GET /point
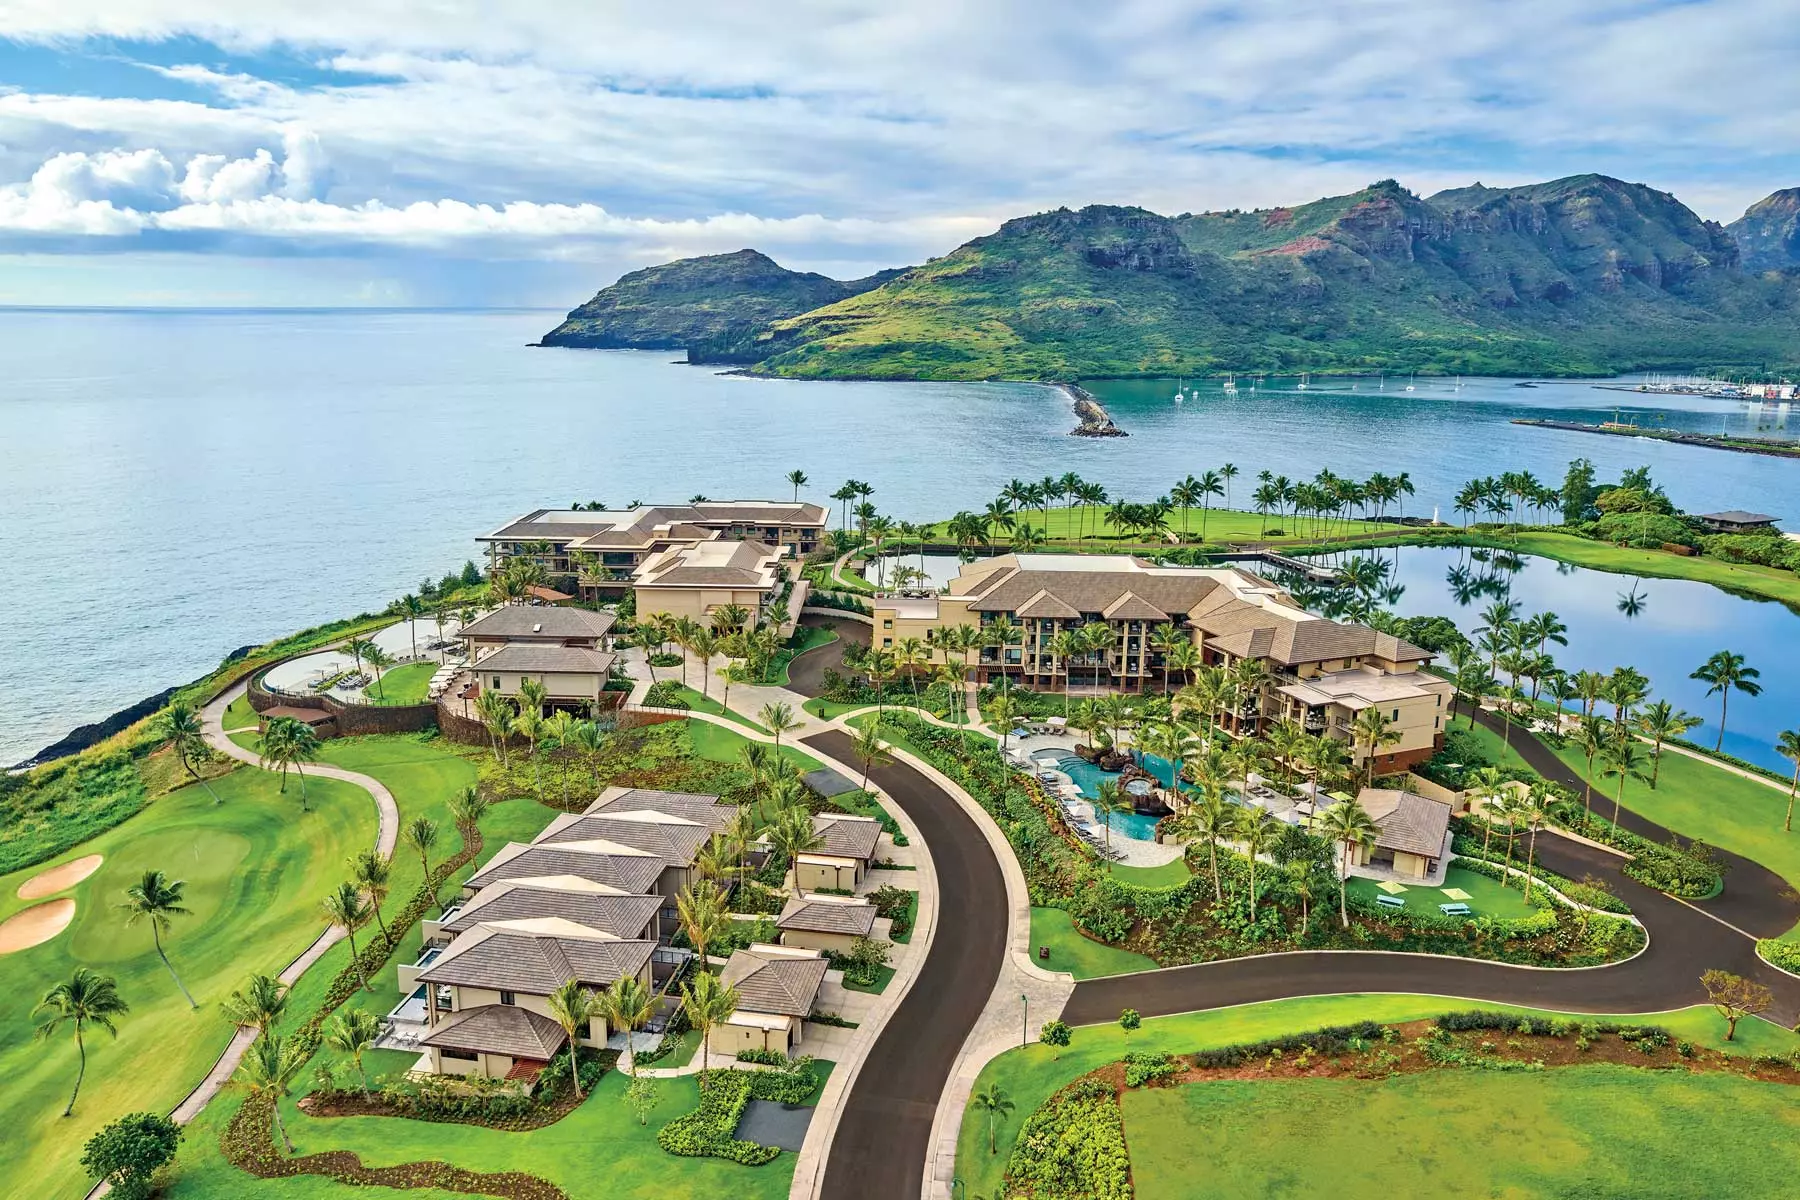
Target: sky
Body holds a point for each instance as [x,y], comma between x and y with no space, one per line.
[511,152]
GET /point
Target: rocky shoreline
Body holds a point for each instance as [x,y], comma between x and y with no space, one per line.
[1094,420]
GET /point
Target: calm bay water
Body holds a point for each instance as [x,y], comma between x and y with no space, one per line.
[177,484]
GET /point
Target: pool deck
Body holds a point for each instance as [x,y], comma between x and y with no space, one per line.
[1136,852]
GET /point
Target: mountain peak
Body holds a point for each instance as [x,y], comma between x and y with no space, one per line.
[1769,232]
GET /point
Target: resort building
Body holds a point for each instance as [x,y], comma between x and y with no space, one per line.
[676,840]
[602,549]
[830,923]
[845,851]
[592,905]
[535,625]
[572,677]
[692,806]
[777,987]
[486,994]
[694,581]
[1229,614]
[1412,833]
[629,871]
[1738,521]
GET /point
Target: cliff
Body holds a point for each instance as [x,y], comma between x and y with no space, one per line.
[1769,232]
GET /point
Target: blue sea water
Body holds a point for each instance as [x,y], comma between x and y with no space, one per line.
[174,484]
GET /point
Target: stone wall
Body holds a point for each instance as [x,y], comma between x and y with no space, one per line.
[351,720]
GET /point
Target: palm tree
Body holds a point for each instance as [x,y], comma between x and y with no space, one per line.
[994,1101]
[707,1002]
[353,1031]
[1111,798]
[1721,673]
[1211,484]
[1660,722]
[373,872]
[467,808]
[346,907]
[497,716]
[422,835]
[1228,472]
[157,899]
[792,833]
[1256,830]
[1003,710]
[267,1072]
[84,998]
[1533,809]
[1473,683]
[574,1008]
[379,661]
[530,726]
[1300,883]
[1592,736]
[798,478]
[357,648]
[288,742]
[1062,647]
[870,750]
[1213,820]
[1624,760]
[1372,730]
[180,727]
[701,910]
[1787,744]
[259,1002]
[1349,825]
[778,718]
[628,1006]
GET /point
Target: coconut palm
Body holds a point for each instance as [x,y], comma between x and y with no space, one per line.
[628,1006]
[1787,744]
[260,1002]
[778,718]
[701,909]
[1110,799]
[1473,684]
[798,478]
[1300,882]
[574,1007]
[346,907]
[179,725]
[84,998]
[994,1101]
[467,808]
[379,661]
[1256,831]
[497,717]
[530,726]
[1721,673]
[1213,819]
[373,872]
[157,899]
[707,1002]
[1623,760]
[1532,810]
[288,742]
[267,1072]
[421,834]
[870,750]
[353,1031]
[357,648]
[1063,647]
[1003,711]
[587,740]
[1349,825]
[1660,722]
[1592,736]
[1372,730]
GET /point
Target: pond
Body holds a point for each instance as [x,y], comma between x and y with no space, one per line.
[1663,627]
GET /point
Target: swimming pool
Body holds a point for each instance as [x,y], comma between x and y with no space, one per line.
[1088,778]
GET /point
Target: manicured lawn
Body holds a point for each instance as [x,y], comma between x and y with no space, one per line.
[1170,874]
[1030,1074]
[707,704]
[239,715]
[1088,523]
[1081,956]
[1698,799]
[1499,752]
[1603,556]
[720,744]
[829,710]
[1600,1130]
[883,977]
[253,866]
[912,918]
[402,685]
[1486,896]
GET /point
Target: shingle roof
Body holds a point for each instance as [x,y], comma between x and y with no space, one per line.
[766,982]
[531,657]
[1407,823]
[1043,606]
[630,871]
[1095,591]
[846,836]
[502,959]
[828,915]
[675,839]
[526,621]
[499,1029]
[1133,607]
[621,916]
[1738,516]
[693,806]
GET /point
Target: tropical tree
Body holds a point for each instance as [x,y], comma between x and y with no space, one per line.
[1473,683]
[628,1006]
[347,907]
[288,742]
[530,726]
[792,833]
[179,726]
[156,899]
[870,750]
[128,1152]
[260,1002]
[1256,830]
[1110,799]
[353,1031]
[1064,645]
[373,872]
[1003,711]
[1660,722]
[1299,873]
[778,718]
[574,1007]
[84,998]
[497,717]
[1349,825]
[1372,730]
[1622,759]
[1213,820]
[1735,997]
[798,478]
[1721,673]
[707,1001]
[267,1072]
[994,1101]
[1592,737]
[467,808]
[1787,743]
[701,909]
[1532,810]
[379,661]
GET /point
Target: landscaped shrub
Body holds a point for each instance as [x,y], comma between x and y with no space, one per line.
[1073,1148]
[793,1083]
[1785,955]
[1329,1040]
[1688,870]
[1145,1066]
[768,1058]
[708,1131]
[754,897]
[665,693]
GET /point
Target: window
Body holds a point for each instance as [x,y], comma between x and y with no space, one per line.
[887,624]
[496,683]
[1437,722]
[887,641]
[1396,715]
[508,998]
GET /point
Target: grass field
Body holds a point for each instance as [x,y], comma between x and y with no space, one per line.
[1168,875]
[239,715]
[1087,525]
[402,685]
[1082,957]
[1030,1074]
[1499,752]
[1486,896]
[1600,1130]
[719,744]
[711,706]
[254,867]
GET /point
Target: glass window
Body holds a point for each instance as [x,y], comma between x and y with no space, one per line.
[508,998]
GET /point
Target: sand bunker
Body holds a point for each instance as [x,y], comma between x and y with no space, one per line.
[35,925]
[59,879]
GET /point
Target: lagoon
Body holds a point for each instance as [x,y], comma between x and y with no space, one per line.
[175,484]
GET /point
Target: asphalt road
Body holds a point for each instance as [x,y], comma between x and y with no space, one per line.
[806,674]
[883,1138]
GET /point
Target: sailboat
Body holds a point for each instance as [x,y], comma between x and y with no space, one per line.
[1231,384]
[1409,382]
[1303,381]
[1178,390]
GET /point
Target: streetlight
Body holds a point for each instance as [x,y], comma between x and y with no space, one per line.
[1025,1020]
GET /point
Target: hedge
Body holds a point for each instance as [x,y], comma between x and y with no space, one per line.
[708,1131]
[1785,955]
[1073,1148]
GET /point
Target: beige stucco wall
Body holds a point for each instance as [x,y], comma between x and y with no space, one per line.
[492,1066]
[558,685]
[811,876]
[728,1039]
[1412,865]
[467,997]
[697,604]
[837,943]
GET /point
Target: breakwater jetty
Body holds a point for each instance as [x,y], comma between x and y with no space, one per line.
[1773,447]
[1092,418]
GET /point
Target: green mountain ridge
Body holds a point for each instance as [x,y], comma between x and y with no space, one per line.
[1769,232]
[1581,276]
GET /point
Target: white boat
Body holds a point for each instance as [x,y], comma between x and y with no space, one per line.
[1231,383]
[1409,383]
[1303,380]
[1178,390]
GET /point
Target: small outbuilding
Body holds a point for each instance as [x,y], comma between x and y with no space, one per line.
[831,923]
[1737,521]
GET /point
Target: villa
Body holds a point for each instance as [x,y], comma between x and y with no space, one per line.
[777,987]
[535,625]
[845,851]
[496,978]
[692,806]
[694,580]
[630,871]
[591,905]
[602,549]
[676,840]
[1412,833]
[831,923]
[571,676]
[1320,672]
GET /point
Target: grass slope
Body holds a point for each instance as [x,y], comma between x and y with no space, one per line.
[1079,955]
[402,685]
[1601,1130]
[1086,525]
